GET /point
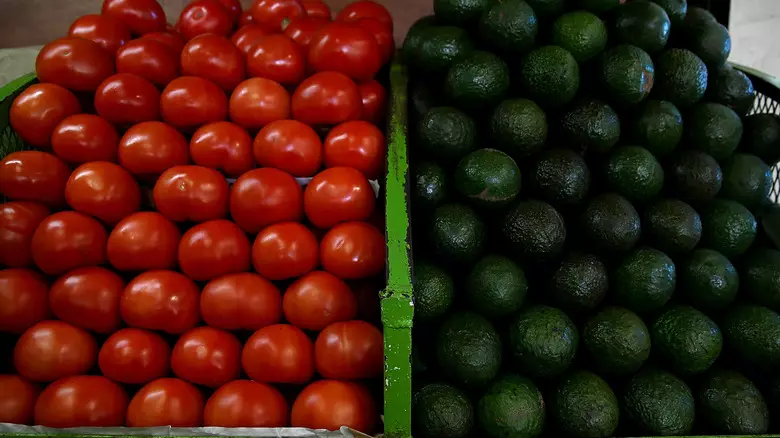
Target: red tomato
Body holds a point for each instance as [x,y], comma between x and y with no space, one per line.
[215,58]
[246,18]
[207,356]
[149,148]
[279,353]
[289,145]
[191,193]
[81,401]
[257,102]
[244,403]
[353,250]
[244,301]
[105,30]
[150,59]
[262,197]
[213,249]
[271,14]
[68,240]
[223,146]
[85,137]
[374,98]
[125,99]
[317,300]
[17,399]
[234,7]
[330,404]
[346,48]
[383,34]
[34,176]
[51,350]
[18,221]
[247,36]
[24,300]
[302,29]
[166,402]
[277,57]
[38,109]
[349,350]
[285,250]
[189,102]
[204,16]
[326,98]
[171,39]
[140,16]
[143,241]
[356,144]
[88,298]
[316,9]
[338,194]
[161,300]
[74,63]
[134,356]
[365,9]
[104,190]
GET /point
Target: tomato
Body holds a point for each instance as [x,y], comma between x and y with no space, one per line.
[365,9]
[74,63]
[125,99]
[81,401]
[330,404]
[338,194]
[18,221]
[279,353]
[189,102]
[271,14]
[105,30]
[191,193]
[207,356]
[88,298]
[346,48]
[357,144]
[289,145]
[244,403]
[161,300]
[317,300]
[262,197]
[213,249]
[149,148]
[353,250]
[284,250]
[68,240]
[134,356]
[247,36]
[316,9]
[171,39]
[104,190]
[326,98]
[302,29]
[143,241]
[150,59]
[34,176]
[215,58]
[349,350]
[374,98]
[223,146]
[257,102]
[140,16]
[51,350]
[234,7]
[205,16]
[85,137]
[24,300]
[383,34]
[166,402]
[38,109]
[243,301]
[245,18]
[17,399]
[277,57]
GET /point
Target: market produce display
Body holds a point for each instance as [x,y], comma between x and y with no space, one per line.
[191,236]
[593,230]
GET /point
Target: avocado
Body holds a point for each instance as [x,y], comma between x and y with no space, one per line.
[708,279]
[518,127]
[672,226]
[560,177]
[580,283]
[697,16]
[534,230]
[761,276]
[550,76]
[439,47]
[477,81]
[430,187]
[547,8]
[710,41]
[582,405]
[642,24]
[645,280]
[441,410]
[713,128]
[512,406]
[627,73]
[730,404]
[434,291]
[634,172]
[509,26]
[680,77]
[747,180]
[468,349]
[658,403]
[675,9]
[488,178]
[415,36]
[599,7]
[457,234]
[729,86]
[694,176]
[463,13]
[611,223]
[658,126]
[752,332]
[591,125]
[728,227]
[582,33]
[447,134]
[496,286]
[422,96]
[686,340]
[617,341]
[542,341]
[762,137]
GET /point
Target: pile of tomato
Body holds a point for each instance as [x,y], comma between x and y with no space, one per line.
[192,237]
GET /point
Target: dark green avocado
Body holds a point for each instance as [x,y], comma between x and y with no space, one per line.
[430,187]
[713,128]
[708,279]
[658,127]
[434,291]
[582,405]
[447,134]
[457,234]
[534,230]
[468,350]
[580,283]
[617,341]
[729,86]
[761,137]
[518,127]
[686,340]
[488,178]
[509,26]
[591,125]
[511,406]
[477,81]
[643,24]
[550,76]
[582,33]
[675,9]
[635,173]
[542,341]
[658,403]
[730,404]
[440,410]
[752,332]
[627,74]
[496,286]
[761,277]
[694,177]
[747,180]
[672,226]
[680,77]
[728,227]
[560,177]
[611,223]
[645,280]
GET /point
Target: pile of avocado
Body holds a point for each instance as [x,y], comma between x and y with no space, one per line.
[595,248]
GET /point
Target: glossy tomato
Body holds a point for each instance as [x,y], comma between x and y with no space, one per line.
[289,145]
[213,249]
[18,221]
[215,58]
[24,300]
[317,300]
[189,102]
[279,353]
[150,59]
[374,98]
[191,193]
[285,250]
[148,149]
[81,401]
[243,301]
[383,34]
[125,99]
[140,16]
[316,9]
[353,250]
[346,48]
[338,194]
[257,102]
[85,137]
[38,109]
[207,356]
[51,350]
[105,30]
[74,63]
[161,300]
[262,197]
[171,39]
[247,36]
[326,98]
[277,57]
[34,176]
[205,16]
[234,7]
[88,298]
[166,402]
[357,144]
[134,356]
[103,190]
[68,240]
[246,18]
[330,404]
[271,14]
[244,403]
[224,146]
[365,9]
[302,29]
[143,241]
[349,350]
[17,399]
